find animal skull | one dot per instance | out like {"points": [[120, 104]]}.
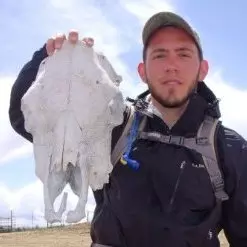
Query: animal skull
{"points": [[70, 110]]}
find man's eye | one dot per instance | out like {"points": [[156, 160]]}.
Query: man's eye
{"points": [[159, 56], [184, 55]]}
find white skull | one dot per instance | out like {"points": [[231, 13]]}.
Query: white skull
{"points": [[70, 110]]}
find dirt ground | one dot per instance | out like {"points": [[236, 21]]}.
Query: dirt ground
{"points": [[73, 236]]}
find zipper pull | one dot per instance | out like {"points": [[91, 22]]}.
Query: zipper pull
{"points": [[182, 166]]}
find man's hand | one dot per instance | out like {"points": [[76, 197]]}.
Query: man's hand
{"points": [[56, 42]]}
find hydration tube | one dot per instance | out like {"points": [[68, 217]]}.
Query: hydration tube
{"points": [[140, 106], [126, 160]]}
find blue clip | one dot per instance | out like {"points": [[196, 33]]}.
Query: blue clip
{"points": [[133, 134]]}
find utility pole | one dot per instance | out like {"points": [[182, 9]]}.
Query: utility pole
{"points": [[11, 220], [32, 219]]}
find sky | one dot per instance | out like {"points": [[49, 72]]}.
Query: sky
{"points": [[116, 27]]}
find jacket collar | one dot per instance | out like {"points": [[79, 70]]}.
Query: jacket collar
{"points": [[202, 103]]}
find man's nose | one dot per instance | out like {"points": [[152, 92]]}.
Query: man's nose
{"points": [[171, 64]]}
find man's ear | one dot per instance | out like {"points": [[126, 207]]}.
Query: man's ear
{"points": [[204, 67], [142, 72]]}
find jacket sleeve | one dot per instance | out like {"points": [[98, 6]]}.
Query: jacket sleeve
{"points": [[234, 165], [24, 80]]}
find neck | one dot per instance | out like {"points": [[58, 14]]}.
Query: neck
{"points": [[170, 115]]}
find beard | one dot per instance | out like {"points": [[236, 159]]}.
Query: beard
{"points": [[170, 101]]}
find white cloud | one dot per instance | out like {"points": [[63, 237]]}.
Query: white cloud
{"points": [[146, 8], [11, 144], [233, 102], [17, 153], [5, 201], [143, 11]]}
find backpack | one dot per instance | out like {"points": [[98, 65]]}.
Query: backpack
{"points": [[203, 143]]}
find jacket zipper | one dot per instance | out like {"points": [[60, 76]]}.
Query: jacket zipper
{"points": [[182, 166]]}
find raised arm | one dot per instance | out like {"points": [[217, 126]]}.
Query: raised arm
{"points": [[24, 80]]}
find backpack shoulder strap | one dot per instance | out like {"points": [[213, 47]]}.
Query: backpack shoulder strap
{"points": [[121, 144], [206, 137]]}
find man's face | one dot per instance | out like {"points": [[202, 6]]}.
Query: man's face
{"points": [[172, 67]]}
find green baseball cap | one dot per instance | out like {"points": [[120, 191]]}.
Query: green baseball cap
{"points": [[166, 19]]}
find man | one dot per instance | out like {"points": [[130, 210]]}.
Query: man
{"points": [[169, 200]]}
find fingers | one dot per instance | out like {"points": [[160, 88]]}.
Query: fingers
{"points": [[73, 37], [88, 41], [56, 42], [50, 46]]}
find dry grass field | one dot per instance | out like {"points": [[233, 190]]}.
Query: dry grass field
{"points": [[73, 236]]}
